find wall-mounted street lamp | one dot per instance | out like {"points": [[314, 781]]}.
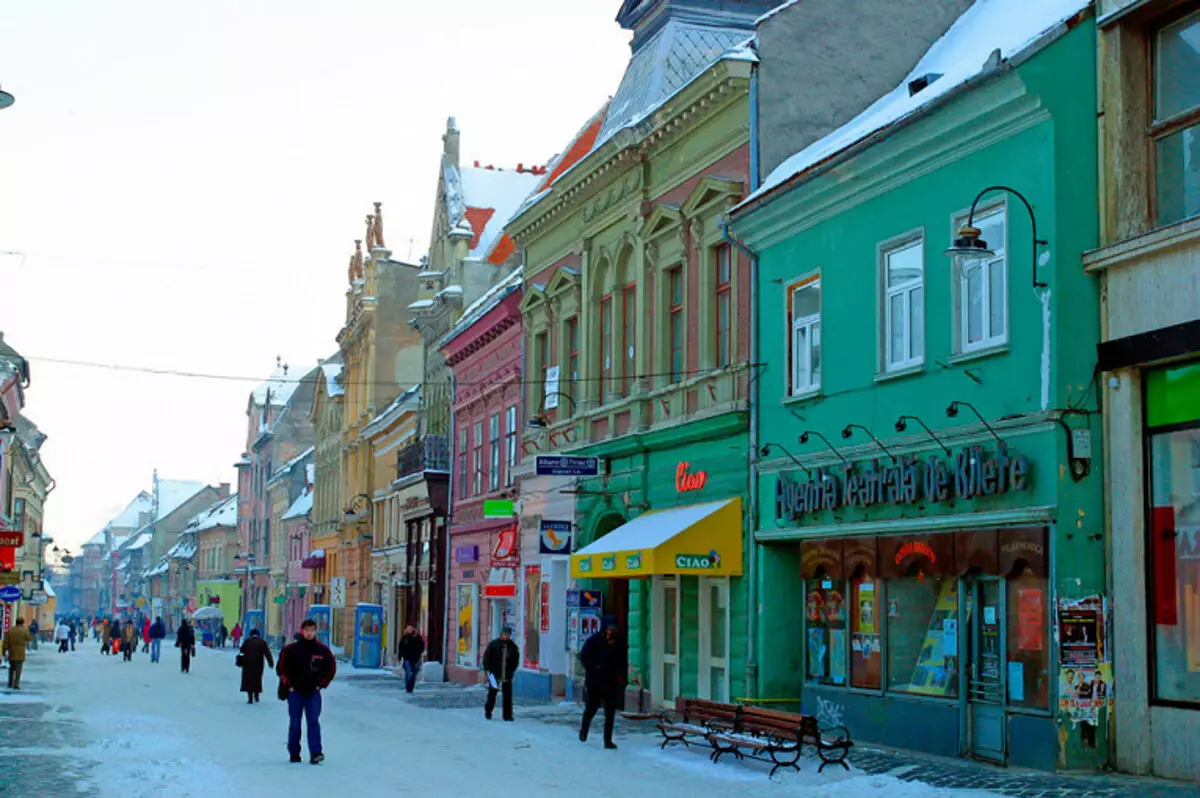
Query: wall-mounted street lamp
{"points": [[765, 451], [969, 246], [804, 439], [848, 431], [902, 425], [365, 503], [539, 420], [952, 412]]}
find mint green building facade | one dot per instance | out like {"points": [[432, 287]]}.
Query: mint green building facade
{"points": [[936, 579]]}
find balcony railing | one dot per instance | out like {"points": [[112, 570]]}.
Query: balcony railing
{"points": [[429, 453]]}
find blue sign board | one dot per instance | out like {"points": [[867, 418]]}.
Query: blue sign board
{"points": [[10, 593], [563, 465]]}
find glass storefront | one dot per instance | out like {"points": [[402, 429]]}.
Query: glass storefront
{"points": [[1173, 465], [884, 614]]}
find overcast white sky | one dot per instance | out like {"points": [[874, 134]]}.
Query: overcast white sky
{"points": [[186, 180]]}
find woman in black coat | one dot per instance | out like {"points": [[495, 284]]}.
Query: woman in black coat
{"points": [[254, 653], [185, 641]]}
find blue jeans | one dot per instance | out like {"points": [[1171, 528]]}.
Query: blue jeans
{"points": [[155, 648], [411, 669], [310, 707]]}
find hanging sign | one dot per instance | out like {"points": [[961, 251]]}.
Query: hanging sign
{"points": [[687, 481], [973, 473], [555, 537], [498, 508], [551, 395], [507, 552], [10, 593], [562, 465], [13, 539]]}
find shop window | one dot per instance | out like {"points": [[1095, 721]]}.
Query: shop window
{"points": [[825, 612], [922, 614], [804, 345], [1173, 427], [1176, 127]]}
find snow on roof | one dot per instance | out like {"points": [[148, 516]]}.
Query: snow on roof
{"points": [[479, 308], [671, 59], [301, 506], [97, 539], [141, 541], [223, 513], [421, 303], [332, 371], [279, 387], [130, 517], [774, 11], [385, 416], [961, 54], [291, 463], [173, 493], [498, 190]]}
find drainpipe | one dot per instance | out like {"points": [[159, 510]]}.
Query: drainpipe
{"points": [[452, 446], [752, 513]]}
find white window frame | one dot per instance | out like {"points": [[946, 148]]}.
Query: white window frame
{"points": [[990, 340], [812, 323], [886, 250], [494, 452], [510, 443]]}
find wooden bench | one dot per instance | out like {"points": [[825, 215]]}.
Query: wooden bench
{"points": [[779, 738], [696, 718]]}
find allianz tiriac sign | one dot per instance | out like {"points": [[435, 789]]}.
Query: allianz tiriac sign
{"points": [[972, 473]]}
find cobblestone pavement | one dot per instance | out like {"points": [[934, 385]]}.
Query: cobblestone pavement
{"points": [[39, 744], [935, 771]]}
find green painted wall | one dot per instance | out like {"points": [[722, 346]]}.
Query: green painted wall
{"points": [[1053, 163], [641, 478]]}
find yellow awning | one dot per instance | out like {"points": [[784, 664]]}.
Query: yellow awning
{"points": [[700, 539]]}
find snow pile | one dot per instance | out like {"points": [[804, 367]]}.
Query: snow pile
{"points": [[279, 387], [963, 52], [332, 371], [301, 507], [501, 190], [223, 513]]}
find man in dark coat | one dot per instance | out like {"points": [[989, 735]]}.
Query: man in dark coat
{"points": [[305, 668], [501, 659], [185, 641], [255, 658], [158, 631], [409, 649], [605, 663]]}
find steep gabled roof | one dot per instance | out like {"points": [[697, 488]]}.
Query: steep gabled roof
{"points": [[223, 513], [488, 198], [174, 493]]}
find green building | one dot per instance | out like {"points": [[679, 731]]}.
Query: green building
{"points": [[930, 537]]}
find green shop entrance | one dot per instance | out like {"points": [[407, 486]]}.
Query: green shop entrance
{"points": [[663, 537], [930, 603]]}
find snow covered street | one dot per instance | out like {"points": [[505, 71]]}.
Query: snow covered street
{"points": [[94, 725]]}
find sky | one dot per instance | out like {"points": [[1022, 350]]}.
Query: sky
{"points": [[181, 185]]}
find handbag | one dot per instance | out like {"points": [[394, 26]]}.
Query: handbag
{"points": [[240, 660]]}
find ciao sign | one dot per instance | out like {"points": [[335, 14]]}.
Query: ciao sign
{"points": [[685, 481], [972, 473]]}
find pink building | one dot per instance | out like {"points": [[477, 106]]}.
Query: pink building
{"points": [[297, 523], [484, 352]]}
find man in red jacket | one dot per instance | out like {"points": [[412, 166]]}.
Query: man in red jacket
{"points": [[305, 668]]}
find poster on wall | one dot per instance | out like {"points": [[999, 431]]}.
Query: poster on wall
{"points": [[466, 624], [533, 621], [935, 667], [816, 654], [837, 663], [1085, 684]]}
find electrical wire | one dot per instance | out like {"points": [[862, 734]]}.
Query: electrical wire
{"points": [[167, 372]]}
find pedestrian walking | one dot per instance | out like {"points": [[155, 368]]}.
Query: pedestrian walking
{"points": [[236, 636], [254, 658], [13, 648], [33, 635], [61, 634], [129, 641], [112, 633], [605, 665], [222, 635], [185, 641], [305, 668], [146, 636], [410, 650], [500, 661], [74, 631], [158, 630]]}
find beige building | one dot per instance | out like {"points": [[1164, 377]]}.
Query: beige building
{"points": [[1149, 371]]}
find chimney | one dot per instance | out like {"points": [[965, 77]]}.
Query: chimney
{"points": [[223, 489]]}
